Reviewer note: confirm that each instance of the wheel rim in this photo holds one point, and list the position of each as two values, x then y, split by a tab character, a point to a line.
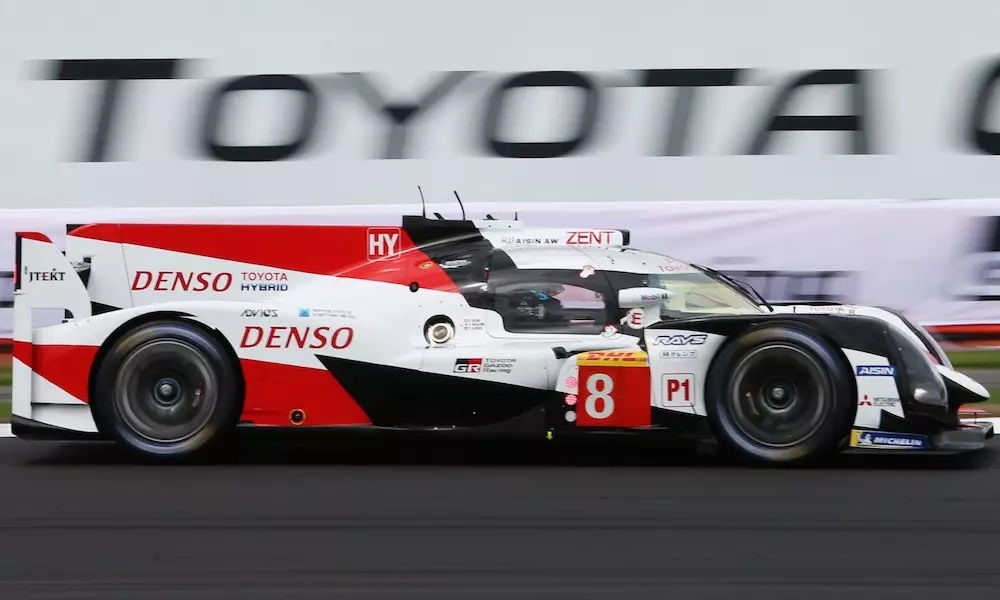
779	395
165	391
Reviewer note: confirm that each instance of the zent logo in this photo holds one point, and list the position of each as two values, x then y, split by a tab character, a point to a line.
468	365
173	281
383	242
586	238
876	371
696	339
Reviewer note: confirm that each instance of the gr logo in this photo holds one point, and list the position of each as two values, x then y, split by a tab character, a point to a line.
680	339
468	365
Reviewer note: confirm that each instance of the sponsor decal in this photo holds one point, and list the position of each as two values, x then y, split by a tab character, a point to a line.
312	338
660	296
680	339
634	318
570	382
673	267
571	399
53	275
876	370
484	365
426	265
181	281
678	389
328	313
510	240
455	264
880	401
587	271
264	281
473	325
591	238
260	312
678	354
383	242
609	331
625	358
843	310
888	440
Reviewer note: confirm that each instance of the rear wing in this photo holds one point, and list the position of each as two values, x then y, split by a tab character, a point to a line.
43	279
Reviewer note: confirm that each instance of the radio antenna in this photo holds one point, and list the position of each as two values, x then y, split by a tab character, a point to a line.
459	203
423	205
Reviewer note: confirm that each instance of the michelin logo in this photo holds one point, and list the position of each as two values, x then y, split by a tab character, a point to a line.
876	371
878	439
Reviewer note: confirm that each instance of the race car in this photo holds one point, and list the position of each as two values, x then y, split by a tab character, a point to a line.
177	335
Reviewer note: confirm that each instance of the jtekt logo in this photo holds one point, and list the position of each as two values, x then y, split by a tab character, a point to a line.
382	242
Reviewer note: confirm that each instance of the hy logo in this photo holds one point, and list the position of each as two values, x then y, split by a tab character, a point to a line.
383	242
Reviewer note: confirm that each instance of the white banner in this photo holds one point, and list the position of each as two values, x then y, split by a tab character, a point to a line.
938	261
318	102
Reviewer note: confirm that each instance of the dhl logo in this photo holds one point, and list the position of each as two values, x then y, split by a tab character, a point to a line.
620	358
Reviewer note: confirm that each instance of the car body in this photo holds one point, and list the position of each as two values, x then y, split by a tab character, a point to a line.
177	334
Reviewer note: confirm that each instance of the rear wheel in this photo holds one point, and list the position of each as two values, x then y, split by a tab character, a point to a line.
779	394
167	390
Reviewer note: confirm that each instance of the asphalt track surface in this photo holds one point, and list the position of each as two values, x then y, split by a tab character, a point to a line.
377	519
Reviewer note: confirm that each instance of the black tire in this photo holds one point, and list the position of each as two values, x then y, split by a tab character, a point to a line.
806	420
167	390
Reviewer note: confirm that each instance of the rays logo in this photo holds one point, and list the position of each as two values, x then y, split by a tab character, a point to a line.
680	339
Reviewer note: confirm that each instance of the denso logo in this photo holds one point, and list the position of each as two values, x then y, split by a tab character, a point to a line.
696	339
876	371
172	281
297	337
591	237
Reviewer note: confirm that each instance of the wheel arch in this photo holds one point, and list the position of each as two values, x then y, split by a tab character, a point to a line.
807	327
151	317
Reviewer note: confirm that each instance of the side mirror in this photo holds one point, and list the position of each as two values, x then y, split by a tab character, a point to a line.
642	297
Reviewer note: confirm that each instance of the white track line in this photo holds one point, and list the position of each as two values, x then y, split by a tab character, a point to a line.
5	428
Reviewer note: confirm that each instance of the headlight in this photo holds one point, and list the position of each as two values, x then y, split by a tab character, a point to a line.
920	376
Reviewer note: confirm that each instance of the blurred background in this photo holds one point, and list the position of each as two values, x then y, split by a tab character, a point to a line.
817	154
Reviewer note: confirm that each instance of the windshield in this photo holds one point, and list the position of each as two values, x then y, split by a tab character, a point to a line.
696	293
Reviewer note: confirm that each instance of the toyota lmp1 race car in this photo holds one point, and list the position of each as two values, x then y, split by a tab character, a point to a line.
175	336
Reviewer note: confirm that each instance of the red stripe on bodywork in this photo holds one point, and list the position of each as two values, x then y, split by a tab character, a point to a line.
22	352
66	367
34	235
273	391
341	250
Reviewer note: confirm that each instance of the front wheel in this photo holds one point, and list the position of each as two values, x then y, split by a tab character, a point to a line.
167	390
778	394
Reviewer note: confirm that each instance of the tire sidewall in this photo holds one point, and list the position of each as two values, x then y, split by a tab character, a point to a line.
836	420
222	420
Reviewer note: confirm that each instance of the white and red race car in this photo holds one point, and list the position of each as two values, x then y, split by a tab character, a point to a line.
176	335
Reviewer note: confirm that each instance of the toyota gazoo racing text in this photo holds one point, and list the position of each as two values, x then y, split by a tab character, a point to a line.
177	335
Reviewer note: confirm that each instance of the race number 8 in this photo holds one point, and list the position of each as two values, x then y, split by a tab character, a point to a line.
599	388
